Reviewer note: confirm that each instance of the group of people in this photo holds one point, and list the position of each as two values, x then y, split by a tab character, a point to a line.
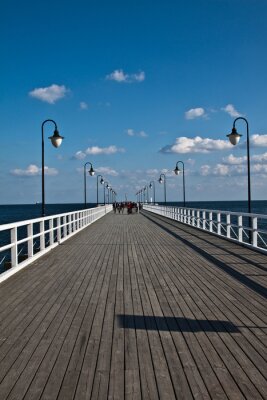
129	206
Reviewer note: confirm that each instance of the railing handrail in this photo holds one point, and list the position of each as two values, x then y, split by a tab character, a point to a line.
211	221
211	210
11	225
61	227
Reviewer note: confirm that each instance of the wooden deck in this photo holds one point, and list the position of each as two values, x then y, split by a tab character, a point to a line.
136	307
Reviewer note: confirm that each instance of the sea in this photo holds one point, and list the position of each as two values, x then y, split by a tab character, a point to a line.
21	212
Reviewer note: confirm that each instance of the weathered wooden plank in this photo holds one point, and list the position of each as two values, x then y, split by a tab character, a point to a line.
135	307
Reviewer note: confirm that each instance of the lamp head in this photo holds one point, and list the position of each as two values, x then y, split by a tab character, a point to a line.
160	180
56	139
177	170
91	171
150	185
101	181
234	137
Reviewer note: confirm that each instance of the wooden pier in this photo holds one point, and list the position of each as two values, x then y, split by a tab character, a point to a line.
136	307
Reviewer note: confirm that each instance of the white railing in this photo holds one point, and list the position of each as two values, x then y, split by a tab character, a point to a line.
25	241
232	225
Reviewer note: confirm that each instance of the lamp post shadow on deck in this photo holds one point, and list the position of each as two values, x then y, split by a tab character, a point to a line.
163	180
177	172
234	138
154	190
56	141
91	172
101	182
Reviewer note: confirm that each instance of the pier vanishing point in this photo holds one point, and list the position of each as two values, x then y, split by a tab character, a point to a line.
134	307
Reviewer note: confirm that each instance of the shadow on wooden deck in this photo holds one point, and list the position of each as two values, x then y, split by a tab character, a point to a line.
256	287
174	324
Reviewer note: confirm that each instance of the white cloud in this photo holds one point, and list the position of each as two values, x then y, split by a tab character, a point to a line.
33	170
232	160
131	132
96	150
217	170
205	170
257	158
119	76
221	170
190	161
260	158
79	155
106	171
195	113
197	144
258	140
230	109
259	168
232	170
49	94
152	172
83	105
138	77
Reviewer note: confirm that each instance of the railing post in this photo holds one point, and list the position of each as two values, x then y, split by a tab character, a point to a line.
65	226
198	218
30	240
228	225
75	221
193	218
51	232
189	217
219	224
240	228
254	231
210	222
70	223
204	220
58	229
14	249
42	235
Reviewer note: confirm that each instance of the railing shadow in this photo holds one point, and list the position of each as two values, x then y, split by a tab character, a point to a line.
172	222
256	287
174	324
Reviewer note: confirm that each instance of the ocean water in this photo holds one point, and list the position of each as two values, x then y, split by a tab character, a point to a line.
20	212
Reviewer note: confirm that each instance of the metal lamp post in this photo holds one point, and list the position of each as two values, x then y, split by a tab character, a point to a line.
141	193
147	193
106	185
234	138
163	180
177	172
110	195
101	182
56	141
150	185
91	172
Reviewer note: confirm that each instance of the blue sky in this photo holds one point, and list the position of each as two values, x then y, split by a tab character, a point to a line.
133	87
